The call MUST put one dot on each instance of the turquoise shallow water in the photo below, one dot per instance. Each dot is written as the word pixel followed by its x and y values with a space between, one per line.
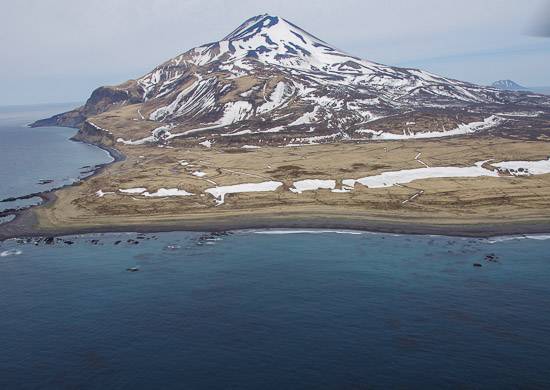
pixel 28 156
pixel 249 310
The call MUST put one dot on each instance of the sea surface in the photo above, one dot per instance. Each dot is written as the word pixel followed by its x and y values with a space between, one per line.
pixel 275 310
pixel 28 156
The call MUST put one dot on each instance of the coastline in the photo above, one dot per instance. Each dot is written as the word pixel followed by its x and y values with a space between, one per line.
pixel 25 220
pixel 26 223
pixel 24 226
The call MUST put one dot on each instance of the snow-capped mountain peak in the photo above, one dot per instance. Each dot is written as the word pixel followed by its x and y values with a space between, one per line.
pixel 271 40
pixel 265 24
pixel 270 76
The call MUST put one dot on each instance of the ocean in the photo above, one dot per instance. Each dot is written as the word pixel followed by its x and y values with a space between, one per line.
pixel 40 159
pixel 271 309
pixel 267 310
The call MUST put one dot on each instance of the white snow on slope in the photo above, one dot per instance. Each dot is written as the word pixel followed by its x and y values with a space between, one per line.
pixel 525 168
pixel 220 192
pixel 162 112
pixel 389 179
pixel 136 142
pixel 465 128
pixel 101 194
pixel 99 127
pixel 307 118
pixel 235 112
pixel 520 114
pixel 160 133
pixel 133 190
pixel 165 192
pixel 312 185
pixel 276 100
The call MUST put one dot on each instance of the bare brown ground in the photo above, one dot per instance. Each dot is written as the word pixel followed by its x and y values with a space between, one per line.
pixel 475 205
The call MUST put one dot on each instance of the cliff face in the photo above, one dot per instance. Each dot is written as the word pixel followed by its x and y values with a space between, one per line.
pixel 104 98
pixel 94 135
pixel 101 100
pixel 72 118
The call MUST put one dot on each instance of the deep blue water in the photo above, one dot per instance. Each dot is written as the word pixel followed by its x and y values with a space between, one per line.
pixel 275 311
pixel 28 156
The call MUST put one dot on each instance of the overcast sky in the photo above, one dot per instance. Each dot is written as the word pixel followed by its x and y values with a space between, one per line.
pixel 60 50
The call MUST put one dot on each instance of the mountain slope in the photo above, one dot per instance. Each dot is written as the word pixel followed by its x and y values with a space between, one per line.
pixel 270 81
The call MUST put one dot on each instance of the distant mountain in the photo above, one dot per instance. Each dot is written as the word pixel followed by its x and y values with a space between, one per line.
pixel 508 85
pixel 272 81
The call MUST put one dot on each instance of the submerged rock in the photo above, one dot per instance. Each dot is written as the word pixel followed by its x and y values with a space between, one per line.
pixel 492 258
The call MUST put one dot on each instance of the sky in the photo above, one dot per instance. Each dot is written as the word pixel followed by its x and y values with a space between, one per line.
pixel 60 50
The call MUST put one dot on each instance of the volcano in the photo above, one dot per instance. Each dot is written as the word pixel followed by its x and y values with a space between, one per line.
pixel 271 82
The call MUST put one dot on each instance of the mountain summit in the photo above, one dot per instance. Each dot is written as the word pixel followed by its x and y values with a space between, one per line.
pixel 508 85
pixel 271 81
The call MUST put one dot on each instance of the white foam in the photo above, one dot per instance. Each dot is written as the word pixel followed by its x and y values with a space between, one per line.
pixel 11 252
pixel 312 231
pixel 538 237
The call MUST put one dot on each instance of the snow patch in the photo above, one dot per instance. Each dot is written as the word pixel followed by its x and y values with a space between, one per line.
pixel 307 118
pixel 163 192
pixel 101 194
pixel 524 168
pixel 277 99
pixel 389 179
pixel 312 185
pixel 220 192
pixel 462 129
pixel 133 190
pixel 235 112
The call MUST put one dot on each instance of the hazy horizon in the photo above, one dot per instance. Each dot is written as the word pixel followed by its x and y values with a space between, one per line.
pixel 59 51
